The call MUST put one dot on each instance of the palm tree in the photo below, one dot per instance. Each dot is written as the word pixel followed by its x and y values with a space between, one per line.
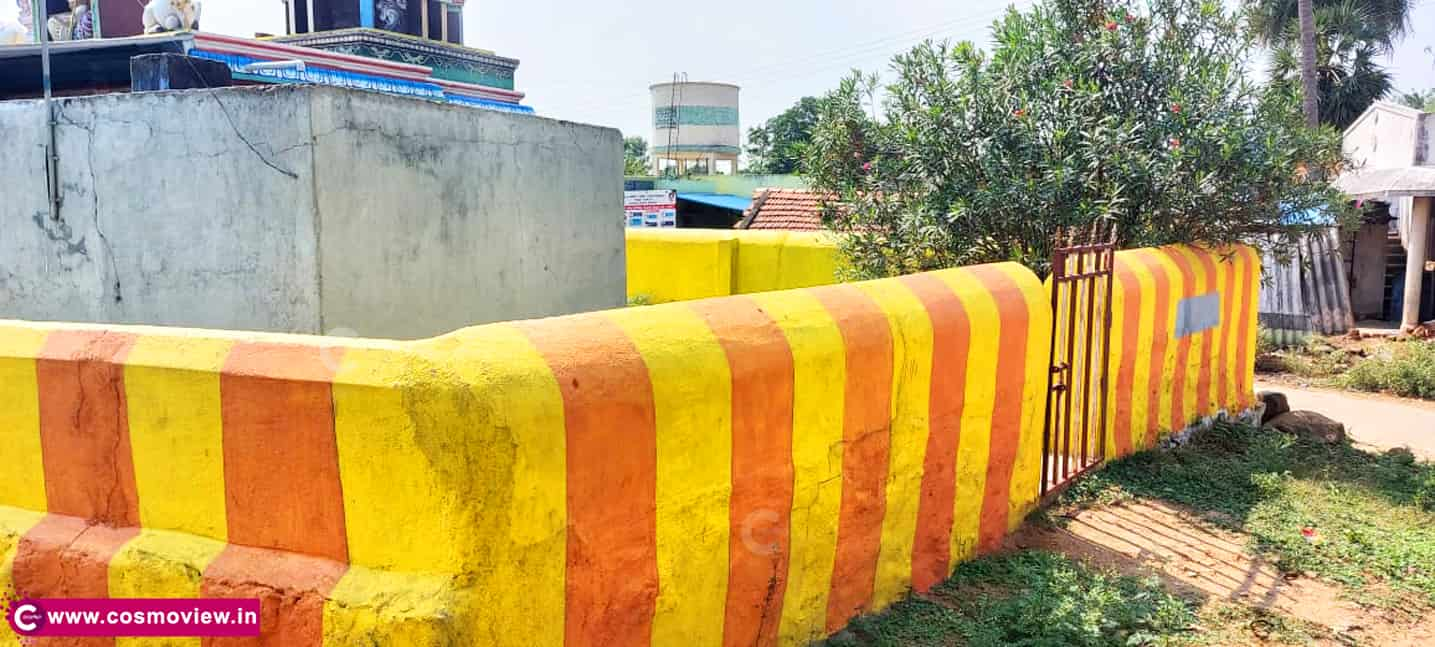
pixel 1271 19
pixel 1310 99
pixel 1282 23
pixel 1347 43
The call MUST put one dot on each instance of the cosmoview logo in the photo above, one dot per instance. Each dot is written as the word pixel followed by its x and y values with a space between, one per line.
pixel 25 617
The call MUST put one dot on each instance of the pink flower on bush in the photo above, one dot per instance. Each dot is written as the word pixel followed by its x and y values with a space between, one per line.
pixel 1019 112
pixel 1174 142
pixel 1111 25
pixel 1176 108
pixel 867 167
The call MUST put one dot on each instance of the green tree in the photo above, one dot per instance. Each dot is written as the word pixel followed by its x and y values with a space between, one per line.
pixel 1085 111
pixel 1419 100
pixel 777 145
pixel 1347 47
pixel 1346 37
pixel 635 156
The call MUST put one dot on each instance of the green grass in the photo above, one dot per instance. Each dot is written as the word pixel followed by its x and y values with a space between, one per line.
pixel 1029 598
pixel 1407 369
pixel 1374 513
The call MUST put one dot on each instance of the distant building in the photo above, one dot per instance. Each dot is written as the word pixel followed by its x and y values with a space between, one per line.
pixel 784 209
pixel 1393 147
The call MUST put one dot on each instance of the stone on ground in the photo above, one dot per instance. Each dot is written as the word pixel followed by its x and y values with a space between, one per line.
pixel 1276 404
pixel 1309 425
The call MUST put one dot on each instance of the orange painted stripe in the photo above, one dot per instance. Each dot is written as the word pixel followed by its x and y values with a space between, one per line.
pixel 283 500
pixel 1126 372
pixel 611 584
pixel 1006 418
pixel 1244 341
pixel 951 338
pixel 1228 323
pixel 760 510
pixel 84 426
pixel 1180 414
pixel 1207 374
pixel 1159 340
pixel 291 590
pixel 866 448
pixel 67 557
pixel 281 462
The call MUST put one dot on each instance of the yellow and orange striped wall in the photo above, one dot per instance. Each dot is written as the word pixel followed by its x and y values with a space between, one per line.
pixel 666 265
pixel 1163 378
pixel 752 469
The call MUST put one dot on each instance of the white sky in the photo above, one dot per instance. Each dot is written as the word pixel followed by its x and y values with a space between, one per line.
pixel 593 61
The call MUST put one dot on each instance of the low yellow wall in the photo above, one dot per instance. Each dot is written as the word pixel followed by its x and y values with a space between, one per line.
pixel 751 469
pixel 1166 372
pixel 666 265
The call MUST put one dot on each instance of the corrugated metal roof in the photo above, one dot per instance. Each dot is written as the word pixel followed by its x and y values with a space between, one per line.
pixel 733 202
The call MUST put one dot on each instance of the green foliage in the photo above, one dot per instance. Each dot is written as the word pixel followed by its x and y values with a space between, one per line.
pixel 1374 514
pixel 1347 44
pixel 635 156
pixel 1138 115
pixel 1406 369
pixel 1419 100
pixel 1272 20
pixel 777 146
pixel 1028 598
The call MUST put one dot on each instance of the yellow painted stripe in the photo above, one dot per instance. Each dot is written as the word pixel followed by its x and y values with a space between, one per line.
pixel 22 480
pixel 413 430
pixel 1247 368
pixel 176 432
pixel 1116 355
pixel 819 379
pixel 1168 375
pixel 161 564
pixel 977 410
pixel 1141 396
pixel 692 397
pixel 1026 472
pixel 1198 347
pixel 374 607
pixel 14 524
pixel 911 391
pixel 1234 262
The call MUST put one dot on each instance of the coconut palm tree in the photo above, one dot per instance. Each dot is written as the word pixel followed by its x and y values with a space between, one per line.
pixel 1280 23
pixel 1347 43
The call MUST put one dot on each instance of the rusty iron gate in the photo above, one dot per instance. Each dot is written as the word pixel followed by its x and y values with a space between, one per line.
pixel 1081 275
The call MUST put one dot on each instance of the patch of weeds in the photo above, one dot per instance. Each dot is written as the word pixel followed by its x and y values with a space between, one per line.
pixel 640 300
pixel 1029 598
pixel 1404 369
pixel 1224 623
pixel 1369 519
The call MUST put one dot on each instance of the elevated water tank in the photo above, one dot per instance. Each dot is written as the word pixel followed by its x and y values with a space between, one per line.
pixel 695 126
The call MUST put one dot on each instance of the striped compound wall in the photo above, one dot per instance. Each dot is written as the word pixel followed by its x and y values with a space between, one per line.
pixel 1183 341
pixel 666 265
pixel 746 470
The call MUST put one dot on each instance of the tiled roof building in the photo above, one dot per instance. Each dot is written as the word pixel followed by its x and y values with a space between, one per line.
pixel 785 209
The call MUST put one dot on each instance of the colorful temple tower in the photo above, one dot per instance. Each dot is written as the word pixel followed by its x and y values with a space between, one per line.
pixel 408 47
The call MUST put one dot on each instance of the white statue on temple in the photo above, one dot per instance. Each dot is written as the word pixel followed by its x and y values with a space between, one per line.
pixel 78 24
pixel 171 15
pixel 17 32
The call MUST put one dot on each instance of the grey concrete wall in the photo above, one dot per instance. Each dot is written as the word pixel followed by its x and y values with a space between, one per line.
pixel 434 217
pixel 172 213
pixel 306 209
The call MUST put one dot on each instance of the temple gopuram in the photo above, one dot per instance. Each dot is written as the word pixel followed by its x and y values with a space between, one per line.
pixel 407 47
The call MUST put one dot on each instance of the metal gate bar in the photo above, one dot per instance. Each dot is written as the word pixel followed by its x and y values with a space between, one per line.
pixel 1076 405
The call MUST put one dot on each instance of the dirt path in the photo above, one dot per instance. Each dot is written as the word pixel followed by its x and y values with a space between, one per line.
pixel 1374 420
pixel 1199 560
